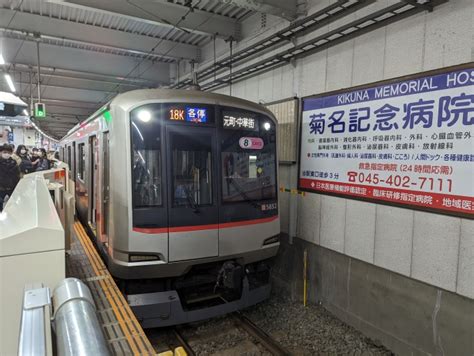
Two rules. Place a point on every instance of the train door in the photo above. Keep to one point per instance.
(73, 161)
(192, 199)
(94, 180)
(69, 161)
(104, 223)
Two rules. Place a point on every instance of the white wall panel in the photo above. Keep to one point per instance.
(435, 249)
(394, 238)
(312, 74)
(309, 209)
(265, 83)
(333, 217)
(368, 57)
(465, 282)
(339, 66)
(449, 36)
(251, 90)
(360, 230)
(404, 47)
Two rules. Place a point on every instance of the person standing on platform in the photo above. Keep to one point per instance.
(14, 155)
(34, 155)
(25, 164)
(9, 173)
(43, 161)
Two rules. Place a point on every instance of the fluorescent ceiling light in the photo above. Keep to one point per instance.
(10, 82)
(2, 60)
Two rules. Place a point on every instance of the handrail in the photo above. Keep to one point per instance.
(35, 334)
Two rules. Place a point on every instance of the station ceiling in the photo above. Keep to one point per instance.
(90, 50)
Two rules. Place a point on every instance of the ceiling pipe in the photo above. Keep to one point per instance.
(39, 69)
(28, 36)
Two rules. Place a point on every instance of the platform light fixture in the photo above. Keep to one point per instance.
(9, 80)
(2, 60)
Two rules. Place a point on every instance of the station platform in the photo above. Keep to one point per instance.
(122, 330)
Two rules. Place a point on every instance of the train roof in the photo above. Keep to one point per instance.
(129, 99)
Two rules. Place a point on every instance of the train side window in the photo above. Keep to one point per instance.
(145, 132)
(69, 160)
(81, 170)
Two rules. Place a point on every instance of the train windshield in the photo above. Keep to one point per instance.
(197, 156)
(248, 157)
(146, 161)
(191, 169)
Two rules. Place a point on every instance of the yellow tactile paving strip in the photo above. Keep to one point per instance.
(121, 328)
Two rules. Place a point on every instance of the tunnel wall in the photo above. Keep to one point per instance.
(397, 274)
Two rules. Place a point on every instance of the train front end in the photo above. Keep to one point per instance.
(203, 215)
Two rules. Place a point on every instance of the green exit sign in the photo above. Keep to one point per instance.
(40, 110)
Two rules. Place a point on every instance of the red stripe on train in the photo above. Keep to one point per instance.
(162, 230)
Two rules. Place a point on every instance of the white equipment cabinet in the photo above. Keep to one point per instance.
(31, 250)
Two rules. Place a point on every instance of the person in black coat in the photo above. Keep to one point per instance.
(25, 162)
(43, 163)
(9, 173)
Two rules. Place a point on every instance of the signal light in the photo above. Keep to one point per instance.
(40, 110)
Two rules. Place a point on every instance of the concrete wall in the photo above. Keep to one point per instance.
(407, 316)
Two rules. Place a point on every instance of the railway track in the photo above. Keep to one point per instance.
(256, 338)
(183, 342)
(260, 335)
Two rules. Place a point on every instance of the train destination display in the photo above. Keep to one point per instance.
(409, 142)
(190, 114)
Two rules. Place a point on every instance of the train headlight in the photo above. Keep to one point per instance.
(144, 115)
(267, 126)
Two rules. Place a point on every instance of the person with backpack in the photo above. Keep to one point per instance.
(9, 173)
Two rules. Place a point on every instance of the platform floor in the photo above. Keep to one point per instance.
(121, 328)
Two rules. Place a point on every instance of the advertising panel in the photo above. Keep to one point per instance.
(408, 142)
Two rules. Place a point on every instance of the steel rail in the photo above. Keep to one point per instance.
(189, 350)
(262, 337)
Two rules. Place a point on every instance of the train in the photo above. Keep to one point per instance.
(179, 191)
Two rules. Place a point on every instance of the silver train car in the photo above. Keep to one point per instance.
(179, 192)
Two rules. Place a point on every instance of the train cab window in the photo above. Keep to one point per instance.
(191, 170)
(145, 131)
(248, 158)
